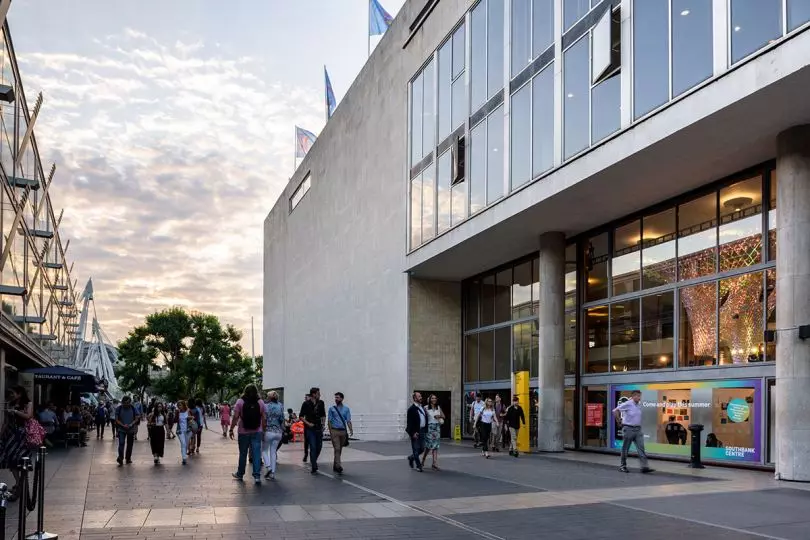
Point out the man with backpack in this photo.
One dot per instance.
(340, 429)
(249, 415)
(126, 422)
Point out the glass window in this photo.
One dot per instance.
(543, 121)
(658, 331)
(458, 51)
(542, 26)
(416, 211)
(798, 13)
(606, 114)
(574, 10)
(754, 23)
(471, 358)
(741, 319)
(445, 82)
(770, 312)
(495, 155)
(459, 202)
(741, 224)
(570, 342)
(522, 351)
(697, 337)
(596, 336)
(596, 274)
(459, 106)
(495, 44)
(650, 55)
(520, 127)
(522, 291)
(772, 219)
(658, 252)
(521, 35)
(428, 203)
(428, 114)
(625, 318)
(697, 238)
(503, 296)
(488, 301)
(444, 209)
(486, 363)
(472, 291)
(577, 85)
(535, 285)
(691, 44)
(416, 120)
(595, 414)
(503, 353)
(478, 163)
(478, 67)
(626, 264)
(571, 276)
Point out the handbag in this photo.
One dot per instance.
(345, 425)
(34, 434)
(193, 426)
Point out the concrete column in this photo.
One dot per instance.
(551, 383)
(793, 304)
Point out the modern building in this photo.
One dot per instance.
(38, 316)
(608, 194)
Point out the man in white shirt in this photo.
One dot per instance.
(475, 410)
(628, 418)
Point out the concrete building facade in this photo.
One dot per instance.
(592, 191)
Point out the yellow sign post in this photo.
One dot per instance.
(522, 391)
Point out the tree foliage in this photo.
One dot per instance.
(136, 361)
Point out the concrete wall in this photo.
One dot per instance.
(434, 340)
(335, 291)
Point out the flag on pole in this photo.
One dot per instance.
(303, 141)
(330, 95)
(378, 19)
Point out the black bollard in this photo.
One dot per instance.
(695, 462)
(41, 534)
(25, 466)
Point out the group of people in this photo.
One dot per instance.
(496, 425)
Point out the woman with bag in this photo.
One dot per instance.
(435, 418)
(274, 412)
(13, 439)
(155, 423)
(484, 421)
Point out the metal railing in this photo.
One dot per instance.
(29, 499)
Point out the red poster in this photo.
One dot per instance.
(593, 415)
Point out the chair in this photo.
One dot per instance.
(73, 432)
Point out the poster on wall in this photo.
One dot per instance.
(728, 410)
(594, 414)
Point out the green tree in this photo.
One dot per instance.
(136, 362)
(170, 331)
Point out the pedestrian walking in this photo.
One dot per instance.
(514, 418)
(339, 421)
(138, 406)
(101, 420)
(274, 429)
(496, 439)
(249, 416)
(183, 428)
(224, 418)
(312, 413)
(628, 418)
(484, 422)
(416, 428)
(306, 441)
(171, 420)
(435, 419)
(13, 447)
(126, 423)
(202, 423)
(475, 410)
(156, 424)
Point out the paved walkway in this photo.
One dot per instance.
(567, 496)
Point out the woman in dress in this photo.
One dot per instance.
(13, 447)
(274, 412)
(435, 418)
(484, 422)
(225, 418)
(156, 423)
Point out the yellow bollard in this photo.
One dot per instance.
(522, 391)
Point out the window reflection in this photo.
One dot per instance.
(741, 316)
(570, 316)
(521, 35)
(416, 211)
(658, 253)
(478, 161)
(428, 114)
(770, 311)
(503, 295)
(522, 359)
(486, 361)
(657, 331)
(697, 340)
(772, 218)
(495, 155)
(543, 121)
(624, 336)
(606, 108)
(495, 43)
(471, 358)
(478, 65)
(596, 276)
(445, 79)
(741, 224)
(503, 353)
(798, 13)
(488, 300)
(576, 70)
(522, 291)
(596, 340)
(428, 203)
(650, 55)
(692, 45)
(520, 120)
(626, 264)
(472, 293)
(754, 23)
(697, 238)
(444, 209)
(573, 10)
(542, 26)
(416, 120)
(594, 428)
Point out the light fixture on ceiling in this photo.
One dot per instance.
(684, 13)
(570, 95)
(737, 28)
(738, 203)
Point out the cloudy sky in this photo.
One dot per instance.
(171, 124)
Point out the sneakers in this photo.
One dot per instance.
(120, 461)
(184, 461)
(269, 475)
(624, 469)
(257, 480)
(157, 461)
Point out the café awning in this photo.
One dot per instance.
(84, 382)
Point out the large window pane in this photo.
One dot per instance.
(416, 211)
(495, 43)
(542, 26)
(459, 46)
(471, 358)
(754, 23)
(770, 312)
(522, 291)
(459, 98)
(596, 350)
(657, 331)
(573, 10)
(624, 335)
(697, 238)
(488, 301)
(445, 81)
(428, 203)
(772, 219)
(570, 276)
(444, 205)
(459, 202)
(741, 319)
(594, 426)
(521, 35)
(428, 114)
(486, 360)
(626, 264)
(543, 121)
(577, 86)
(478, 67)
(658, 253)
(520, 137)
(697, 338)
(650, 55)
(741, 224)
(596, 273)
(798, 13)
(522, 352)
(472, 304)
(570, 344)
(416, 120)
(691, 44)
(503, 353)
(478, 167)
(495, 155)
(606, 105)
(503, 296)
